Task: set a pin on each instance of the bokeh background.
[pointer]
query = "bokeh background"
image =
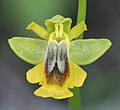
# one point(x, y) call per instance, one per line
point(101, 90)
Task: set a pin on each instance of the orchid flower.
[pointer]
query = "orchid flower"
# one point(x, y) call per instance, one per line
point(57, 56)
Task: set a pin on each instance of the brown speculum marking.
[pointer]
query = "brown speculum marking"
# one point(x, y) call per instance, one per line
point(56, 63)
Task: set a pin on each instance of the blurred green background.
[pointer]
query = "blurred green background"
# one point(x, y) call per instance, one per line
point(101, 90)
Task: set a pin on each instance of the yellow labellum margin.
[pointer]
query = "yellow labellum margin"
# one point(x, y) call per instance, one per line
point(37, 75)
point(56, 67)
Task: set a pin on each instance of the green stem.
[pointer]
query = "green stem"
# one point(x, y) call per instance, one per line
point(81, 15)
point(75, 102)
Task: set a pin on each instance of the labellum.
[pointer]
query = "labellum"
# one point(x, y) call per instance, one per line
point(56, 63)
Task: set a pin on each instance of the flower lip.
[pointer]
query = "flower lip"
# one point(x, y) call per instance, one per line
point(56, 63)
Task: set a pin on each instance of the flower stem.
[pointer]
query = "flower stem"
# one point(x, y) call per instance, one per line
point(81, 15)
point(75, 102)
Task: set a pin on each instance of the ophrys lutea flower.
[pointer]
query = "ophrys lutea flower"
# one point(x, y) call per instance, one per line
point(58, 56)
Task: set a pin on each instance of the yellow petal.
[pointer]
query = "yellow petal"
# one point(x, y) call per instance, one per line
point(36, 74)
point(77, 30)
point(77, 76)
point(53, 91)
point(39, 30)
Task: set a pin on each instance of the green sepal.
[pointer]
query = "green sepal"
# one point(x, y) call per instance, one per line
point(58, 19)
point(86, 51)
point(29, 49)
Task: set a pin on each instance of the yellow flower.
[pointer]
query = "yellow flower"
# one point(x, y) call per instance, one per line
point(57, 72)
point(58, 56)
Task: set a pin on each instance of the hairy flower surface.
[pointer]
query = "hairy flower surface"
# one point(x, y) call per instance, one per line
point(57, 58)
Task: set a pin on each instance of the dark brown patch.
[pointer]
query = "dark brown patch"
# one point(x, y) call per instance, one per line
point(55, 77)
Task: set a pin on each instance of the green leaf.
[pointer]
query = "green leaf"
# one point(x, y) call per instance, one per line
point(86, 51)
point(29, 49)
